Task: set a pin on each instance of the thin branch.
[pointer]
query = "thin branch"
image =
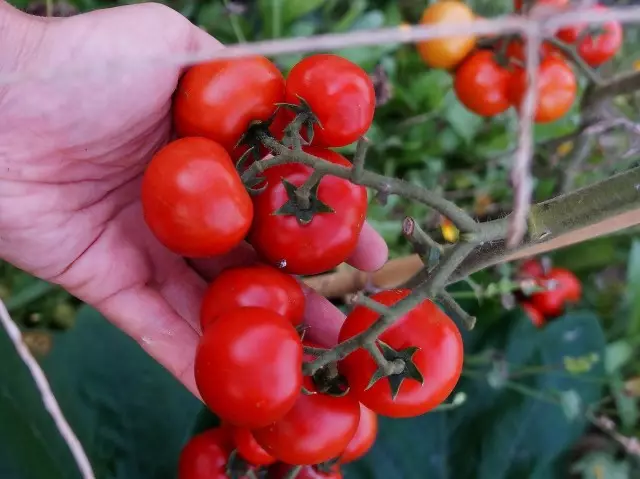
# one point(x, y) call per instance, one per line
point(622, 84)
point(358, 160)
point(293, 472)
point(452, 305)
point(521, 171)
point(427, 248)
point(581, 150)
point(396, 186)
point(48, 399)
point(389, 368)
point(571, 52)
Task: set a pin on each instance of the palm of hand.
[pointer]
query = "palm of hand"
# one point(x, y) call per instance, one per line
point(72, 156)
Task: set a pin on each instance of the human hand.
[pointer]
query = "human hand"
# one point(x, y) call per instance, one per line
point(72, 153)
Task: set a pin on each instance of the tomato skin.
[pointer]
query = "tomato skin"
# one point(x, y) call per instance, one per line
point(318, 428)
point(516, 50)
point(205, 456)
point(481, 84)
point(439, 358)
point(535, 316)
point(249, 449)
point(328, 240)
point(219, 99)
point(531, 268)
point(552, 302)
point(340, 94)
point(595, 50)
point(247, 366)
point(446, 52)
point(557, 87)
point(258, 285)
point(364, 438)
point(280, 470)
point(193, 200)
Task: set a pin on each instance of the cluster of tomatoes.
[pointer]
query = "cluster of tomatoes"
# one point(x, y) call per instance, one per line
point(556, 289)
point(249, 361)
point(490, 79)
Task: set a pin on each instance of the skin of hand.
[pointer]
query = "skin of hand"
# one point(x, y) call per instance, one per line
point(73, 149)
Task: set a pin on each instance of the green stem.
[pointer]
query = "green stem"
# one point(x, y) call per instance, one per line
point(358, 160)
point(303, 192)
point(571, 52)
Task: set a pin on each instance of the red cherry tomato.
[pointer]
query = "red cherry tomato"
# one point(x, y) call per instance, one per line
point(516, 50)
point(323, 243)
point(557, 88)
point(280, 471)
point(258, 285)
point(481, 84)
point(562, 287)
point(318, 428)
point(439, 357)
point(536, 317)
point(249, 449)
point(247, 366)
point(595, 49)
point(205, 456)
point(340, 94)
point(531, 268)
point(220, 99)
point(193, 199)
point(364, 438)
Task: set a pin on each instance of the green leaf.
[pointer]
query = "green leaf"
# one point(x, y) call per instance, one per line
point(30, 444)
point(131, 415)
point(464, 123)
point(633, 288)
point(294, 9)
point(599, 465)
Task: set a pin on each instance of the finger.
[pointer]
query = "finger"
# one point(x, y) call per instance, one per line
point(323, 319)
point(371, 253)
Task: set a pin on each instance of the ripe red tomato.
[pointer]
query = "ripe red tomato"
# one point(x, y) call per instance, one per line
point(249, 449)
point(557, 88)
point(364, 438)
point(481, 84)
point(257, 285)
point(193, 199)
point(446, 52)
point(439, 357)
point(323, 243)
point(219, 99)
point(536, 317)
point(516, 51)
point(205, 456)
point(247, 366)
point(280, 471)
point(595, 49)
point(317, 429)
point(562, 287)
point(531, 268)
point(340, 94)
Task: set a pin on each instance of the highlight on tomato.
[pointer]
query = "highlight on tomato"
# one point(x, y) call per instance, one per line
point(247, 366)
point(193, 200)
point(219, 99)
point(311, 238)
point(258, 285)
point(425, 340)
point(447, 52)
point(338, 93)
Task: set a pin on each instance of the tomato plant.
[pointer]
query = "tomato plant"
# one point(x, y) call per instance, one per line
point(339, 93)
point(557, 88)
point(280, 471)
point(519, 4)
point(220, 99)
point(364, 438)
point(428, 342)
point(258, 285)
point(535, 316)
point(531, 268)
point(446, 52)
point(317, 429)
point(205, 456)
point(249, 449)
point(481, 84)
point(247, 366)
point(595, 48)
point(193, 199)
point(561, 287)
point(327, 239)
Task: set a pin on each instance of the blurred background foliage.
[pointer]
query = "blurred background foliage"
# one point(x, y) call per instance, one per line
point(561, 401)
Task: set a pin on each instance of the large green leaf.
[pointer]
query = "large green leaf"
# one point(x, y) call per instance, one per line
point(131, 415)
point(30, 445)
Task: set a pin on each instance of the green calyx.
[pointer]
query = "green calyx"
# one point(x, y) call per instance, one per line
point(400, 366)
point(305, 118)
point(304, 206)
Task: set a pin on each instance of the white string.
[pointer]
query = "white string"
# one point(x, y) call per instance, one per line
point(48, 398)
